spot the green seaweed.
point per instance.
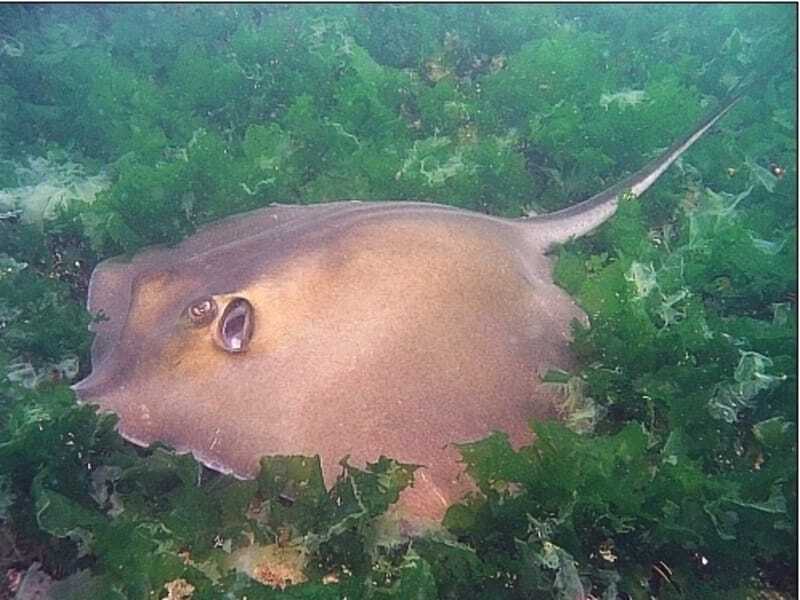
(674, 473)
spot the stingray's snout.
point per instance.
(92, 386)
(81, 386)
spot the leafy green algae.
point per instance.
(683, 481)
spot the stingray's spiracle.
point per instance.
(236, 325)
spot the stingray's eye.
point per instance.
(203, 311)
(236, 325)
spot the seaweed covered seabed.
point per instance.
(673, 473)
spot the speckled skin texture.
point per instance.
(392, 329)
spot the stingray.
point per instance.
(345, 330)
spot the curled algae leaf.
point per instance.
(750, 379)
(623, 99)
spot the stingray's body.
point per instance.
(345, 330)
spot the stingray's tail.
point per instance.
(575, 221)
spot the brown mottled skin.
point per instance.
(393, 329)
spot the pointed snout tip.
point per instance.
(81, 385)
(86, 387)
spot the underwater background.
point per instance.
(673, 473)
